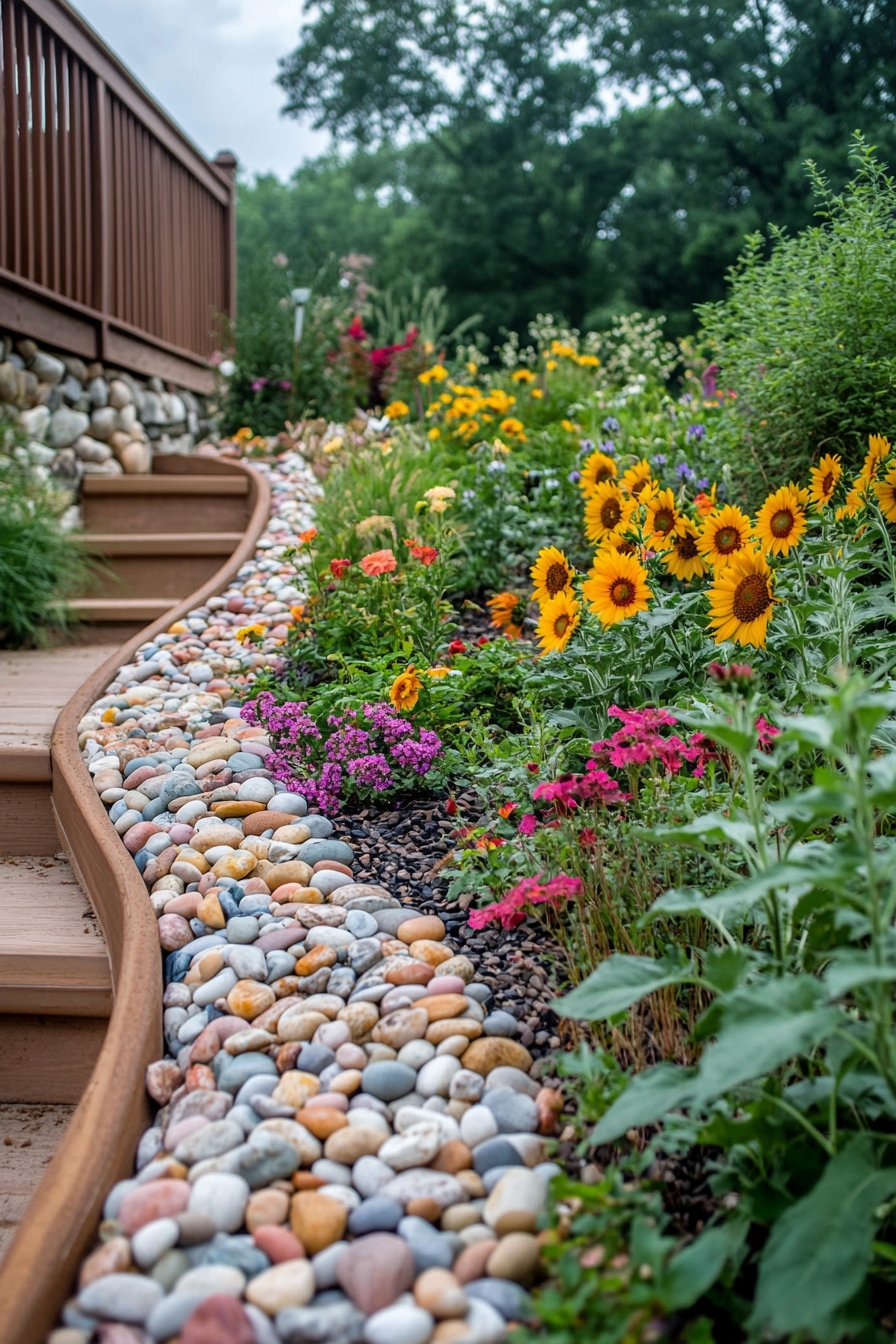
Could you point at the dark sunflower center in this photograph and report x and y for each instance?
(561, 625)
(610, 513)
(827, 483)
(727, 540)
(782, 523)
(687, 548)
(557, 578)
(626, 548)
(622, 592)
(664, 520)
(751, 598)
(639, 486)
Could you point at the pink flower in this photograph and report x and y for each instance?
(379, 562)
(259, 384)
(528, 824)
(765, 732)
(531, 891)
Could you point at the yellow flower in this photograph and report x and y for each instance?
(396, 409)
(824, 480)
(723, 532)
(405, 689)
(878, 450)
(500, 447)
(683, 560)
(537, 393)
(597, 467)
(637, 479)
(886, 495)
(856, 498)
(607, 511)
(242, 435)
(446, 398)
(781, 521)
(550, 365)
(589, 361)
(663, 522)
(563, 348)
(499, 401)
(437, 374)
(551, 574)
(434, 433)
(513, 426)
(557, 623)
(437, 672)
(439, 498)
(571, 427)
(467, 428)
(333, 445)
(472, 368)
(523, 376)
(508, 613)
(617, 544)
(740, 600)
(616, 587)
(250, 634)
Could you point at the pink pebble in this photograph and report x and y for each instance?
(206, 883)
(333, 1035)
(446, 984)
(174, 932)
(351, 1056)
(140, 776)
(283, 893)
(136, 837)
(156, 1199)
(181, 833)
(278, 1243)
(176, 1133)
(334, 1100)
(210, 767)
(185, 905)
(279, 631)
(402, 996)
(254, 886)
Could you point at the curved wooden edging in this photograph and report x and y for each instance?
(38, 1271)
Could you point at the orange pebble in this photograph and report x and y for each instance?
(199, 1077)
(549, 1103)
(428, 927)
(322, 1121)
(331, 866)
(439, 1006)
(314, 960)
(414, 973)
(453, 1156)
(430, 1209)
(433, 953)
(305, 1180)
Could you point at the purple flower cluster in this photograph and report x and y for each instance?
(371, 749)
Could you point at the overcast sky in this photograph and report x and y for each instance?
(211, 64)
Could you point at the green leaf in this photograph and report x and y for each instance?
(819, 1251)
(619, 982)
(713, 827)
(762, 1028)
(649, 1096)
(694, 1270)
(726, 967)
(854, 967)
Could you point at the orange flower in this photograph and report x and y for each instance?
(308, 536)
(405, 689)
(379, 562)
(338, 567)
(505, 810)
(508, 613)
(427, 555)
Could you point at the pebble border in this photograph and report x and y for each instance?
(349, 1146)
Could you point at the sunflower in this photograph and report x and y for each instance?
(607, 511)
(723, 532)
(508, 613)
(781, 521)
(824, 480)
(856, 498)
(886, 495)
(616, 587)
(405, 689)
(878, 449)
(683, 560)
(596, 468)
(616, 544)
(663, 522)
(740, 600)
(637, 478)
(557, 622)
(552, 574)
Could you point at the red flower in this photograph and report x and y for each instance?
(533, 767)
(356, 330)
(338, 567)
(505, 810)
(457, 646)
(483, 640)
(427, 555)
(451, 807)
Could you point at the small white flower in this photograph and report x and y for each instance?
(227, 368)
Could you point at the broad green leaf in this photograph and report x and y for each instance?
(619, 982)
(726, 967)
(710, 826)
(810, 730)
(818, 1253)
(649, 1096)
(815, 804)
(694, 1270)
(689, 901)
(763, 1027)
(854, 967)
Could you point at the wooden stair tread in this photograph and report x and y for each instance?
(35, 1132)
(143, 609)
(165, 485)
(52, 955)
(161, 543)
(34, 685)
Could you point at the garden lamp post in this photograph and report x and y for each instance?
(299, 297)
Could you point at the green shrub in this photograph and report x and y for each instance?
(40, 564)
(807, 335)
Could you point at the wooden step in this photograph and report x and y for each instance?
(29, 1136)
(52, 955)
(121, 609)
(161, 543)
(165, 503)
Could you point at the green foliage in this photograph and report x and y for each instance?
(806, 334)
(40, 564)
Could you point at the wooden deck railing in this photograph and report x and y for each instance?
(116, 233)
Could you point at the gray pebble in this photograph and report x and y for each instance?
(500, 1024)
(514, 1112)
(387, 1079)
(495, 1153)
(378, 1214)
(242, 929)
(508, 1298)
